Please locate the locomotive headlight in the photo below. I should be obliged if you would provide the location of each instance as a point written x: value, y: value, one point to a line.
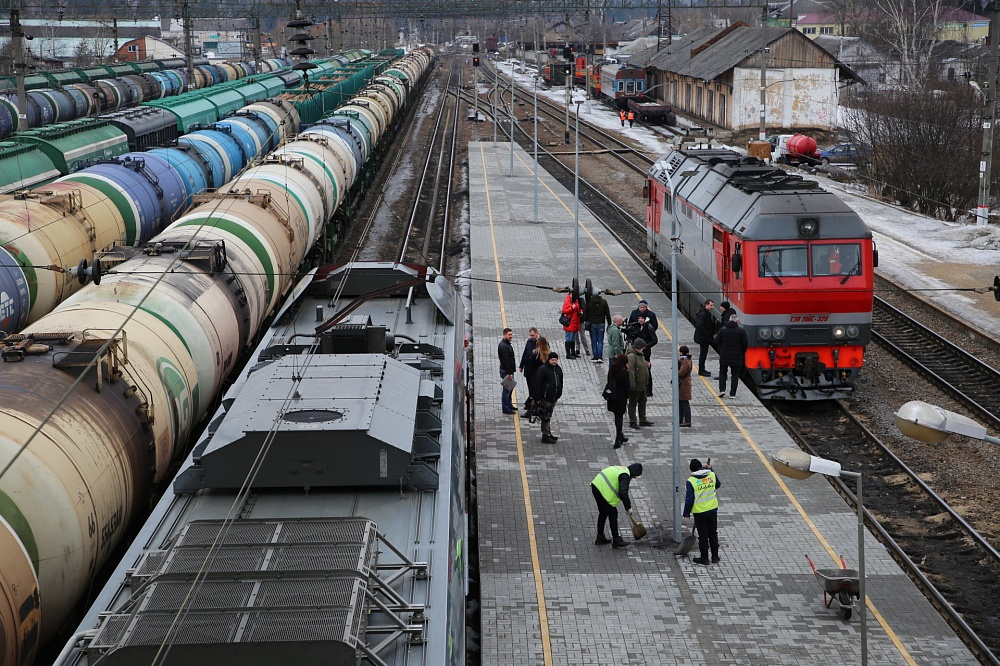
x: 853, y: 331
x: 764, y: 333
x: 778, y: 332
x: 838, y: 332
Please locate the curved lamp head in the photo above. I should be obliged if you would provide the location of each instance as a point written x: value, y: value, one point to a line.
x: 929, y: 423
x: 797, y: 464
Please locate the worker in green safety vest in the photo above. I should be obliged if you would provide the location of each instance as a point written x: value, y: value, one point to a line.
x: 610, y: 488
x: 702, y: 501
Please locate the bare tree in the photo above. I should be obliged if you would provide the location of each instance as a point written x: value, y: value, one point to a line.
x: 924, y: 147
x: 851, y: 14
x: 910, y: 29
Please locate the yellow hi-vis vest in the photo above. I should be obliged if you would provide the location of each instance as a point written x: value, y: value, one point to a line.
x: 609, y: 492
x: 704, y: 493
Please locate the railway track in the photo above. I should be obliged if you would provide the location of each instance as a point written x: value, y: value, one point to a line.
x: 952, y: 563
x: 426, y: 233
x: 958, y: 372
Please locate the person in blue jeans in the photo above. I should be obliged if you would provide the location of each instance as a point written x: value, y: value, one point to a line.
x: 508, y: 366
x: 598, y: 315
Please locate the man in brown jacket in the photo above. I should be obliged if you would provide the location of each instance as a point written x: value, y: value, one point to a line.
x: 638, y: 375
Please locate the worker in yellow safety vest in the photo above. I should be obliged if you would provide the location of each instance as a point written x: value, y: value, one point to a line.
x: 702, y: 501
x: 610, y: 488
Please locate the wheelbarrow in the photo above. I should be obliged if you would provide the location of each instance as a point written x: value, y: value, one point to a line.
x: 841, y: 585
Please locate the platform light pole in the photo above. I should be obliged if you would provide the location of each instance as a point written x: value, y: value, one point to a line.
x: 496, y: 76
x: 675, y: 401
x: 797, y: 464
x: 512, y: 112
x: 576, y: 196
x: 535, y: 118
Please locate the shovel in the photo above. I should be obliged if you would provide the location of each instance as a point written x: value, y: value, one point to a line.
x: 687, y: 543
x: 638, y: 529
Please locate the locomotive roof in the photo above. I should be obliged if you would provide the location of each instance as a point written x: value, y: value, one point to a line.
x: 756, y: 200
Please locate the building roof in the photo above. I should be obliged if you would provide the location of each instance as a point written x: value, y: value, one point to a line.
x: 707, y: 53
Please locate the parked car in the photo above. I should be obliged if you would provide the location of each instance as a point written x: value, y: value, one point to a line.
x: 844, y: 153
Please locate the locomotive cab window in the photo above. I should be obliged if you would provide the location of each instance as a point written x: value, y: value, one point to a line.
x: 836, y: 259
x: 782, y: 261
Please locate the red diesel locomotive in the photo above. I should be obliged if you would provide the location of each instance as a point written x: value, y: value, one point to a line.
x: 794, y: 260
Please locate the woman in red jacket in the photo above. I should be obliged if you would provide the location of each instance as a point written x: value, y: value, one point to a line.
x: 571, y: 308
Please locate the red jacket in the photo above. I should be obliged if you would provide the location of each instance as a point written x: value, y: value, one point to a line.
x: 572, y: 309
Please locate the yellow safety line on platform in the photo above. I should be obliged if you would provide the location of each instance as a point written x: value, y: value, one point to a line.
x: 543, y: 618
x: 753, y: 445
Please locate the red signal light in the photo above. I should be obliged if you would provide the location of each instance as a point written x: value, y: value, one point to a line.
x: 475, y: 61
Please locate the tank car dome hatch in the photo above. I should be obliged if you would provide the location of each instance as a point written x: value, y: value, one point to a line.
x: 387, y: 428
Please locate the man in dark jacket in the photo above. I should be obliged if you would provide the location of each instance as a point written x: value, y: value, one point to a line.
x: 702, y: 501
x: 704, y: 329
x: 508, y: 366
x: 727, y: 311
x: 599, y: 316
x: 732, y: 343
x: 610, y: 488
x: 550, y: 386
x: 529, y: 349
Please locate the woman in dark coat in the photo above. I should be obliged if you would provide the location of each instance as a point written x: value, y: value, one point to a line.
x: 538, y: 358
x: 618, y: 373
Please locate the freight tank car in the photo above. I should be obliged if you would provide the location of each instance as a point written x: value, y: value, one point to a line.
x: 795, y: 261
x: 99, y: 397
x: 321, y: 518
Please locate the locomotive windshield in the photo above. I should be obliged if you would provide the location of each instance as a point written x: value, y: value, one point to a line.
x: 778, y: 261
x: 836, y: 259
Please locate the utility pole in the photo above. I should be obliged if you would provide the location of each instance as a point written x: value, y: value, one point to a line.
x: 17, y: 44
x: 114, y: 29
x: 258, y: 52
x: 188, y: 40
x: 568, y: 82
x: 763, y: 74
x: 989, y: 119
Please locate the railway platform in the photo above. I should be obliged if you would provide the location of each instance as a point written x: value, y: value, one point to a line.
x: 549, y: 595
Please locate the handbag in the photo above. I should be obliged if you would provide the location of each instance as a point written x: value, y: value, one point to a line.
x: 610, y: 391
x: 564, y: 320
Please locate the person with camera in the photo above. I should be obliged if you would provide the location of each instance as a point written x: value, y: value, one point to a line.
x: 643, y: 311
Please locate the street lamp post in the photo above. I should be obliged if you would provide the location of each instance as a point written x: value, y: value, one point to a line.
x: 535, y: 117
x: 929, y: 423
x: 675, y: 402
x: 496, y: 76
x: 576, y: 196
x: 797, y: 464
